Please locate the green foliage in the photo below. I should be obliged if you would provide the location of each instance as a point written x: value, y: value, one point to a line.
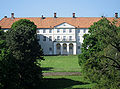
x: 101, y: 54
x: 18, y: 65
x: 22, y: 41
x: 24, y: 22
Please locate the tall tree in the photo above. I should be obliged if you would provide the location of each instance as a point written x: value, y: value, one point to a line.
x: 22, y: 43
x: 100, y: 58
x: 8, y: 68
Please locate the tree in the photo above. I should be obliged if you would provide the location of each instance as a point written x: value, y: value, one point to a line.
x: 22, y: 44
x: 101, y: 54
x: 8, y: 73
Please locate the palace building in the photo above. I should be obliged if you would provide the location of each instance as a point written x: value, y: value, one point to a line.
x: 58, y: 35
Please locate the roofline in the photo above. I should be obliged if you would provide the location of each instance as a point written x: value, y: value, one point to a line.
x: 60, y: 17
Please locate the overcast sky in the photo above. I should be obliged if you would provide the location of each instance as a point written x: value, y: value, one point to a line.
x: 63, y: 8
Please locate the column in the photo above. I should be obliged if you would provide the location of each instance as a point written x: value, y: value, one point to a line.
x: 54, y: 48
x: 61, y: 48
x: 68, y: 48
x: 74, y: 48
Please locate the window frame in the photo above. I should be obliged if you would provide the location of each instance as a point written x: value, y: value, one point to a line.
x: 50, y: 49
x: 64, y: 38
x: 50, y: 38
x: 84, y: 31
x: 58, y: 30
x: 50, y: 30
x: 44, y: 30
x: 78, y: 30
x: 58, y: 38
x: 70, y: 30
x: 44, y: 38
x: 64, y: 30
x: 70, y: 38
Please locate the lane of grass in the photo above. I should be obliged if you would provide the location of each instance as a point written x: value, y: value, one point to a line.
x: 60, y: 64
x: 63, y: 64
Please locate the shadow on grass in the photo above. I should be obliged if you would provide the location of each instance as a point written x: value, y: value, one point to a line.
x: 60, y: 83
x: 47, y: 68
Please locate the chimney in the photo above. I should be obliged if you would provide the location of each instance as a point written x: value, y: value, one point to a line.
x: 12, y: 16
x: 42, y: 17
x: 116, y: 15
x: 5, y: 16
x: 73, y: 15
x: 55, y: 15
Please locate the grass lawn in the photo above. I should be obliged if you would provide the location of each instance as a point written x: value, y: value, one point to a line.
x: 67, y: 82
x: 60, y: 64
x: 63, y: 64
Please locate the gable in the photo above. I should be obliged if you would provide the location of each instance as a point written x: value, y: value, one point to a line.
x: 64, y: 25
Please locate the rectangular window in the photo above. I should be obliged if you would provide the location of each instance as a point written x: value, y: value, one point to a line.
x: 44, y: 38
x: 70, y: 47
x: 70, y: 38
x: 78, y: 47
x: 64, y: 47
x: 50, y: 49
x: 58, y: 30
x: 78, y: 38
x: 84, y: 30
x: 64, y: 38
x: 64, y: 30
x: 50, y: 30
x: 58, y: 38
x: 78, y: 30
x: 70, y: 30
x: 50, y: 38
x: 44, y: 30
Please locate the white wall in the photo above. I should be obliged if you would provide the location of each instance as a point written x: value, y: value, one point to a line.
x: 46, y: 45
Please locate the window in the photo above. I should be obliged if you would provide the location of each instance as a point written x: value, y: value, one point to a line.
x: 64, y: 38
x: 64, y: 47
x: 70, y: 30
x: 58, y: 38
x: 58, y: 30
x: 44, y: 30
x: 50, y: 38
x: 70, y: 47
x: 84, y: 30
x: 78, y: 30
x: 50, y: 49
x: 50, y: 31
x: 44, y: 38
x: 78, y: 38
x: 70, y: 38
x: 78, y: 47
x: 64, y: 30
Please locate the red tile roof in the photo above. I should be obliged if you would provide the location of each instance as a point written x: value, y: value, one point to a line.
x: 50, y: 22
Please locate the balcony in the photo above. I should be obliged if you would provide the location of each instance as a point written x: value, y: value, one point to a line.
x: 64, y: 40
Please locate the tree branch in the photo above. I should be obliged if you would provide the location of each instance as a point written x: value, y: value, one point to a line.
x: 112, y: 60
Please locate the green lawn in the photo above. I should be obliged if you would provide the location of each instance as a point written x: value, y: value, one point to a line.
x: 67, y: 82
x: 63, y: 64
x: 60, y: 64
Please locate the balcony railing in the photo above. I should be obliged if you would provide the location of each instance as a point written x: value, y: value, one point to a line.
x: 64, y: 40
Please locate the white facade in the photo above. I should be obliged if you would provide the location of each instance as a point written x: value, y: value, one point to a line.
x: 63, y: 39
